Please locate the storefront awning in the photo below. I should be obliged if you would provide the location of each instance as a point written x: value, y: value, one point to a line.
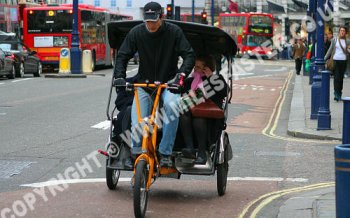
x: 343, y: 6
x: 301, y: 4
x: 275, y: 7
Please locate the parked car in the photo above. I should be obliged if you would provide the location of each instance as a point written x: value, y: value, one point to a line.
x: 7, y: 65
x: 26, y: 61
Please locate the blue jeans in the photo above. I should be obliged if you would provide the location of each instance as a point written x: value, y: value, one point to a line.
x: 169, y: 125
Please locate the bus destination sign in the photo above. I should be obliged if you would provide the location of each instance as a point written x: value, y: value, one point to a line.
x: 260, y: 30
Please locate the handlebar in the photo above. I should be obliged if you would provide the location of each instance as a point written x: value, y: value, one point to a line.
x: 156, y: 84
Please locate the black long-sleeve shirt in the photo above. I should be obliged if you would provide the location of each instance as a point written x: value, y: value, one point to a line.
x: 158, y: 53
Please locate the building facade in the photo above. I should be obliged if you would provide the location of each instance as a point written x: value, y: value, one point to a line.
x: 134, y: 7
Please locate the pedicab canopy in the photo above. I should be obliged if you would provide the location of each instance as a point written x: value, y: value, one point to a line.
x: 203, y: 38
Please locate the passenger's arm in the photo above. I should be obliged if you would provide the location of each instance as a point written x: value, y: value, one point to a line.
x: 216, y: 86
x: 330, y: 50
x: 184, y: 49
x: 125, y: 53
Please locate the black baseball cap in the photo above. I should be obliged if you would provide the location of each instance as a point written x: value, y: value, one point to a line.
x: 152, y: 11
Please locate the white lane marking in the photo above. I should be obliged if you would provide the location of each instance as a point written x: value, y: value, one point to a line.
x: 2, y: 83
x: 250, y: 77
x: 272, y: 179
x: 129, y: 71
x: 242, y: 74
x: 2, y: 114
x: 97, y: 180
x: 253, y: 87
x: 21, y: 80
x: 70, y: 181
x: 102, y: 125
x: 276, y: 70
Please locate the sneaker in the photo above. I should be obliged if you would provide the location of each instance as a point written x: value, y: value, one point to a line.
x: 201, y: 159
x: 165, y: 161
x: 129, y: 163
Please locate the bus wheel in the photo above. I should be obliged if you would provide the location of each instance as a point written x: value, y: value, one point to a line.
x: 93, y: 63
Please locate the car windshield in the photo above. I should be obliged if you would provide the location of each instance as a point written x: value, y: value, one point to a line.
x: 8, y: 46
x: 7, y: 36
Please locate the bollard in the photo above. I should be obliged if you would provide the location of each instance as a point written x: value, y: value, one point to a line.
x: 64, y: 66
x: 342, y: 180
x: 87, y: 62
x: 315, y: 96
x: 324, y: 115
x: 75, y: 60
x: 346, y: 121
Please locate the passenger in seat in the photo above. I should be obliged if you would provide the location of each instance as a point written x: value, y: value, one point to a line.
x: 214, y: 87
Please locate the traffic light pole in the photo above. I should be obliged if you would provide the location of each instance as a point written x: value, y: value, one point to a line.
x: 172, y: 11
x: 212, y: 12
x: 192, y: 10
x: 75, y: 50
x: 319, y: 62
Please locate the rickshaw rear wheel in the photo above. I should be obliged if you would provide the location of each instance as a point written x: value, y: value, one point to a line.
x: 140, y: 189
x: 112, y: 178
x: 222, y: 171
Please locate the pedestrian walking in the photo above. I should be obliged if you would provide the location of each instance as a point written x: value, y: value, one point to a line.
x: 298, y: 53
x: 339, y: 51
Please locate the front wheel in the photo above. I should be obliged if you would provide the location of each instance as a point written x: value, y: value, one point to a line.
x: 112, y: 178
x: 20, y: 71
x: 39, y: 70
x: 140, y: 189
x: 222, y: 170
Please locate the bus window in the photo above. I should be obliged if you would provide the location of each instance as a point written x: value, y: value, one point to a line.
x: 260, y: 20
x: 49, y: 22
x: 253, y: 40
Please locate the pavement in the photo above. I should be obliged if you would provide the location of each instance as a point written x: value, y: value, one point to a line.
x: 318, y: 203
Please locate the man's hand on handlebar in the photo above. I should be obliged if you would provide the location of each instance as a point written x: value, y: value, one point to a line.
x: 175, y: 84
x: 119, y: 83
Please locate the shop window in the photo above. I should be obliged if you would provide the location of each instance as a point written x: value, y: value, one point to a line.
x: 113, y: 3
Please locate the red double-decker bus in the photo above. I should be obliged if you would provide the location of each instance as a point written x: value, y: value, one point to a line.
x: 22, y: 4
x: 48, y: 29
x: 253, y: 32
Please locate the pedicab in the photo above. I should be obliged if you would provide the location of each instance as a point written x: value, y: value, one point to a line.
x: 146, y: 168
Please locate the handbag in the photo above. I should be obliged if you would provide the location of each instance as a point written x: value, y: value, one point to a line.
x: 207, y: 109
x: 330, y: 64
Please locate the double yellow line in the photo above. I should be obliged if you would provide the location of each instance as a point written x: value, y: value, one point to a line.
x: 269, y: 197
x: 271, y: 127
